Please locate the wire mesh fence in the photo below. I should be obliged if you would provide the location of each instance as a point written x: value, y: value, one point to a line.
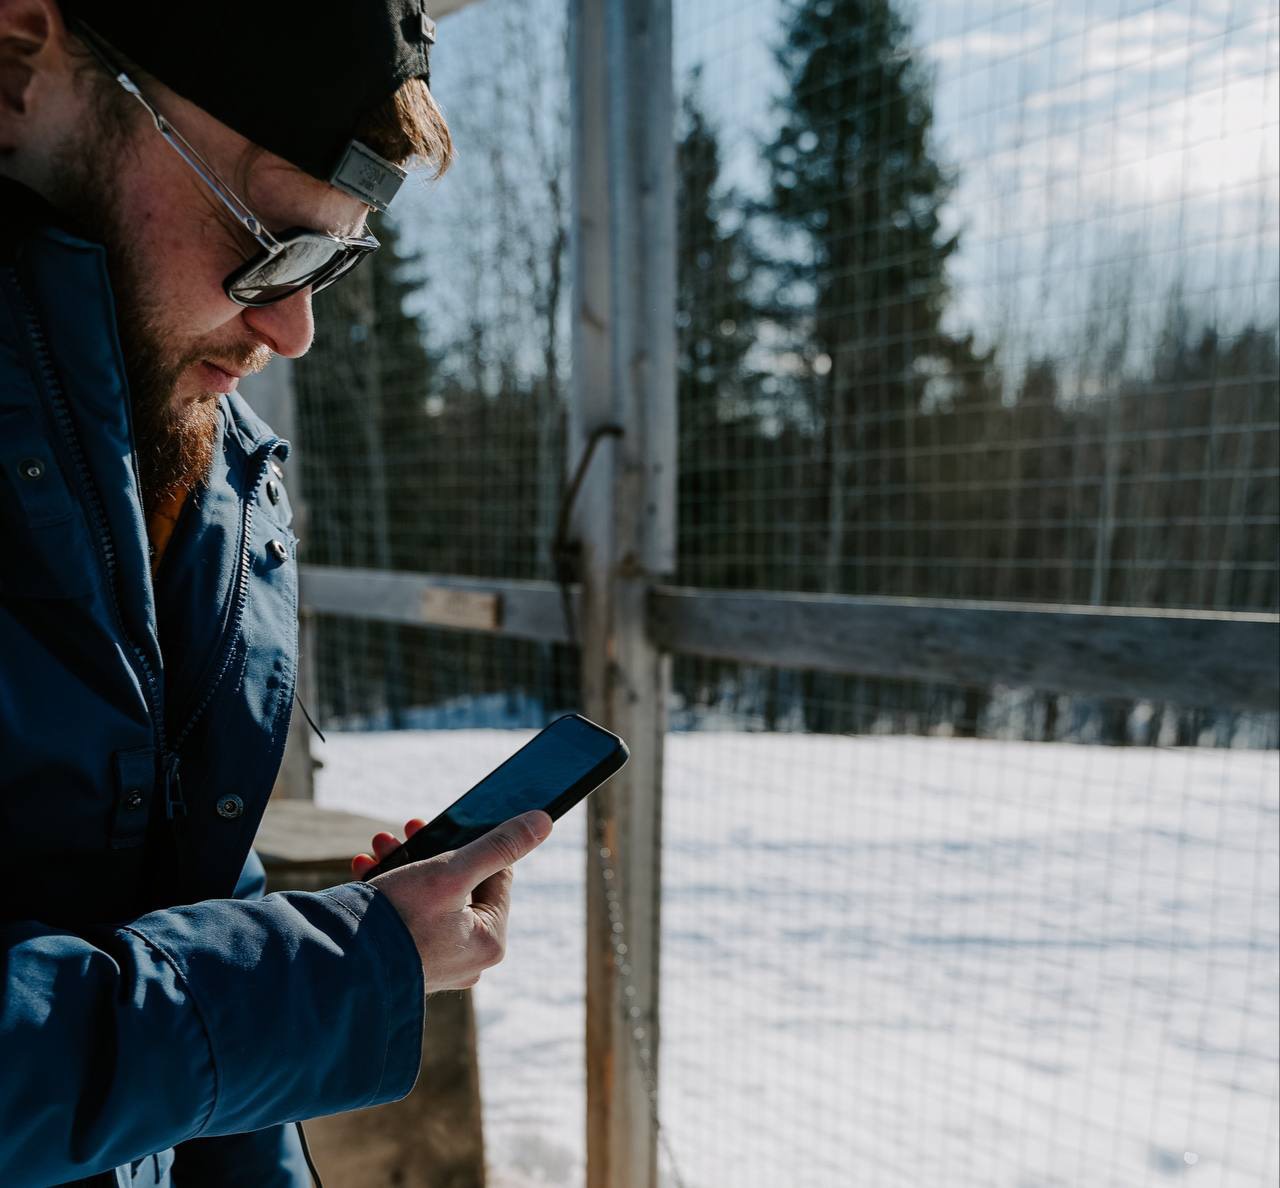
x: 482, y: 702
x: 974, y: 302
x: 981, y: 303
x: 898, y: 960
x: 432, y: 405
x: 431, y: 425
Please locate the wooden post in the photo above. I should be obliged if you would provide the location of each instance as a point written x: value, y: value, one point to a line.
x: 623, y: 250
x: 434, y: 1138
x: 271, y: 393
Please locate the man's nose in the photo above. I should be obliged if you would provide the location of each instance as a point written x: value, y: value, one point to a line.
x: 287, y: 326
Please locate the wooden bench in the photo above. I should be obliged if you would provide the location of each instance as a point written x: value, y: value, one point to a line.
x: 433, y: 1138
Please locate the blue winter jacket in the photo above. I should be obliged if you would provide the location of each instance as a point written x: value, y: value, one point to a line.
x: 160, y: 1020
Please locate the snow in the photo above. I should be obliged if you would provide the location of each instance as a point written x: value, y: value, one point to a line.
x: 902, y: 961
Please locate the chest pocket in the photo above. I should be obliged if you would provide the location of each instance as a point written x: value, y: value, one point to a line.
x: 43, y: 540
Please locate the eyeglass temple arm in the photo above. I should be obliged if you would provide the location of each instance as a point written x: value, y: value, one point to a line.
x: 179, y: 143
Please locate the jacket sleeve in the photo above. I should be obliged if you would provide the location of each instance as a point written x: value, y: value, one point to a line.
x: 217, y: 1018
x: 267, y: 1158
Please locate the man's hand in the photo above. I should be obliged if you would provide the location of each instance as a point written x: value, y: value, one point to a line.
x: 382, y: 845
x: 455, y: 905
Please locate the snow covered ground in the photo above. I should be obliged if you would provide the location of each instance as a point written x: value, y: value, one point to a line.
x: 903, y: 962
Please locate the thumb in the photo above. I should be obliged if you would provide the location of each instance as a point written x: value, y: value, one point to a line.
x: 501, y: 847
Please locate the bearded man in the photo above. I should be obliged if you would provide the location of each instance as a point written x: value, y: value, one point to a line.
x: 176, y: 184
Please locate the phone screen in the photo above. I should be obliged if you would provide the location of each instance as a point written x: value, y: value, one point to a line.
x: 535, y: 776
x: 551, y: 772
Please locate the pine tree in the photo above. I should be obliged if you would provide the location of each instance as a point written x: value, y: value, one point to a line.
x: 857, y: 196
x: 717, y: 388
x: 854, y: 178
x: 361, y: 392
x: 713, y: 308
x: 405, y: 372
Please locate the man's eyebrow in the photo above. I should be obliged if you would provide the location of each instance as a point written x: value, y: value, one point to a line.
x: 362, y: 228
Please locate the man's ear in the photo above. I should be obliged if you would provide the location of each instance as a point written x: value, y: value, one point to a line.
x: 29, y: 32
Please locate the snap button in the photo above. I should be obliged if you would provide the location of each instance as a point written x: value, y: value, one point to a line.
x: 273, y: 490
x: 230, y: 807
x: 278, y: 549
x: 133, y: 799
x: 31, y: 468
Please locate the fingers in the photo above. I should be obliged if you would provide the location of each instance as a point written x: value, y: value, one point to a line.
x: 501, y: 847
x: 494, y: 893
x: 383, y: 844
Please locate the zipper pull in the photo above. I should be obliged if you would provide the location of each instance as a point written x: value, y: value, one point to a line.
x: 174, y: 805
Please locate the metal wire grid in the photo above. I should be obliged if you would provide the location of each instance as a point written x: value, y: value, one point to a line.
x: 942, y: 960
x: 431, y: 407
x: 431, y: 425
x: 492, y: 289
x: 1043, y: 458
x: 437, y: 381
x: 468, y: 703
x: 925, y: 961
x: 981, y: 301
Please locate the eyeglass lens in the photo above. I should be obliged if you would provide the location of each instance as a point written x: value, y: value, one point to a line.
x: 306, y: 261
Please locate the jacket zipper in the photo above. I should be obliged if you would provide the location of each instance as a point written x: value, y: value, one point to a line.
x: 240, y: 593
x: 175, y: 806
x: 102, y: 532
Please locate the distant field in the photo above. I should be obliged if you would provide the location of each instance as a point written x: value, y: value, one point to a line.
x: 904, y: 962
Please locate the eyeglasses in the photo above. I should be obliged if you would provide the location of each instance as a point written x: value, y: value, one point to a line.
x: 295, y: 260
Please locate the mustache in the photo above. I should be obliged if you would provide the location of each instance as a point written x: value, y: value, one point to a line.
x: 248, y: 361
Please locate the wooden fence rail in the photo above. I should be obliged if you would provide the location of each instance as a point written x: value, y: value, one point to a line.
x: 1191, y: 658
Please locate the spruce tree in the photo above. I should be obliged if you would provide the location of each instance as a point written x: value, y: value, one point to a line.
x: 856, y: 196
x: 361, y: 392
x: 405, y: 372
x: 717, y: 388
x: 856, y: 183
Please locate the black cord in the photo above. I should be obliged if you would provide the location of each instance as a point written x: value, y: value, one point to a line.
x: 564, y: 552
x: 306, y: 713
x: 306, y: 1154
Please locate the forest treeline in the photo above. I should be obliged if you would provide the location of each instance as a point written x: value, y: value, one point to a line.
x: 837, y: 432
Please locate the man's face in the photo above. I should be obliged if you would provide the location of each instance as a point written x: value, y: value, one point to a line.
x: 170, y: 243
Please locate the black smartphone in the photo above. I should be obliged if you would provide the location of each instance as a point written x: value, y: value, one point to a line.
x: 554, y: 770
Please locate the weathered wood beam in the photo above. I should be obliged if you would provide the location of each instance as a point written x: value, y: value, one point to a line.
x: 1192, y: 658
x: 525, y: 610
x: 623, y: 249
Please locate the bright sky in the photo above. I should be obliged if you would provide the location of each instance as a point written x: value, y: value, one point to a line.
x: 1104, y: 148
x: 1083, y: 134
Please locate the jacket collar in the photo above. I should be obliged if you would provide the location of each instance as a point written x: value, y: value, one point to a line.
x: 249, y: 429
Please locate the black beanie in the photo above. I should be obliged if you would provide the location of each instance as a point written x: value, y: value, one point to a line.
x: 294, y: 76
